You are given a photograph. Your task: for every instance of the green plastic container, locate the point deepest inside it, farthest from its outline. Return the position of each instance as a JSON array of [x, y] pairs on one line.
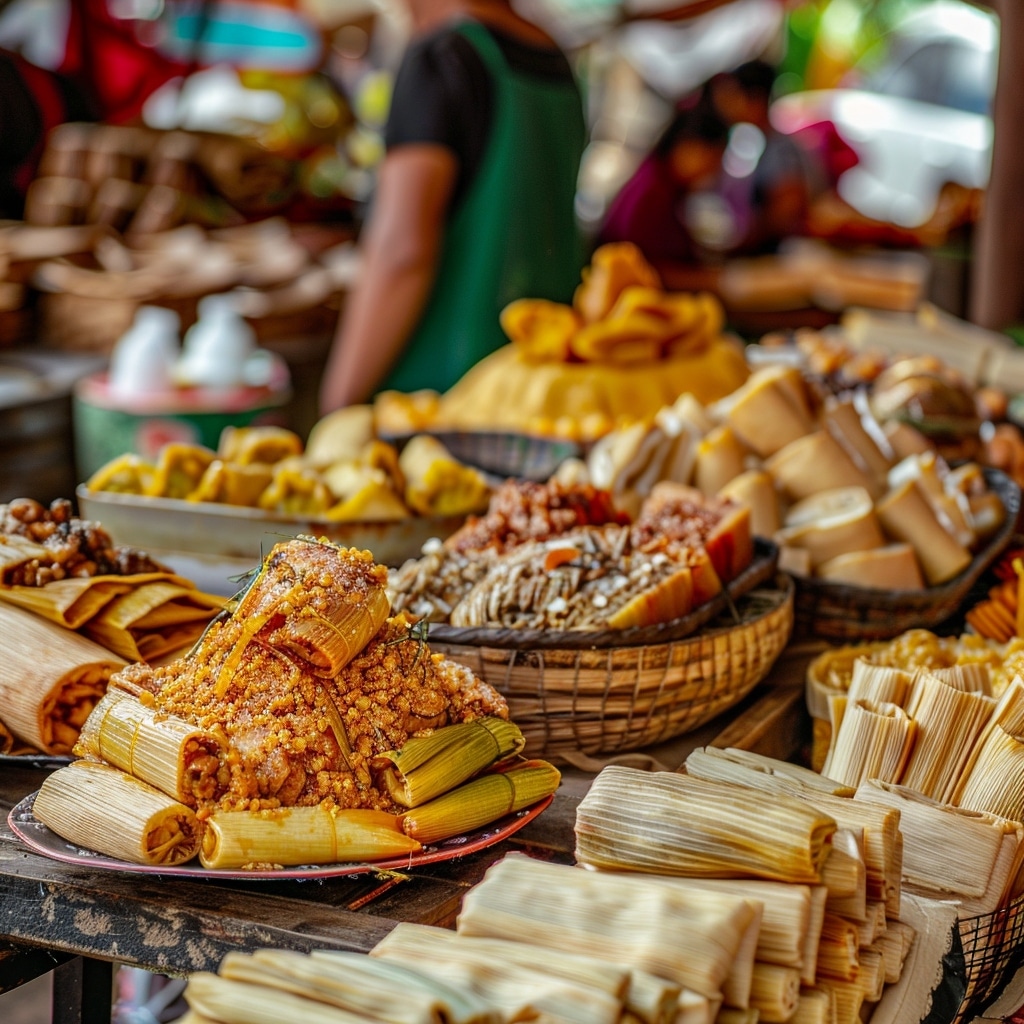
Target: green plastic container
[[106, 426]]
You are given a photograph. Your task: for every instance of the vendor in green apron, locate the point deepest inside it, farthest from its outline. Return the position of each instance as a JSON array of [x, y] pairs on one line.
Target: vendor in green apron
[[474, 202]]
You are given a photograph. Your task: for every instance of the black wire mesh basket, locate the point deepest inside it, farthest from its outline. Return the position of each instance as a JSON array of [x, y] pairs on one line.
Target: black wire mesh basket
[[993, 946]]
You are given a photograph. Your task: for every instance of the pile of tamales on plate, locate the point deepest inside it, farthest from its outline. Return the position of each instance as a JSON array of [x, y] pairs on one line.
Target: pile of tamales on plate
[[306, 726]]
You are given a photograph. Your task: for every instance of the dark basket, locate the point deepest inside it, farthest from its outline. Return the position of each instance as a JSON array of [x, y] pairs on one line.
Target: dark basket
[[835, 611], [993, 951], [501, 453]]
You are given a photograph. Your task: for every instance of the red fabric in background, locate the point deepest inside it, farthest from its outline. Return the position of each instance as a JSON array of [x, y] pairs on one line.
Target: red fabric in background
[[111, 61]]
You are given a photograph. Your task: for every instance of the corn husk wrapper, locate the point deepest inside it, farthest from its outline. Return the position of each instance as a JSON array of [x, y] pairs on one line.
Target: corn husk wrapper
[[847, 999], [869, 741], [169, 753], [428, 766], [510, 984], [814, 1006], [790, 921], [481, 800], [153, 619], [74, 601], [839, 949], [993, 778], [428, 940], [78, 802], [813, 463], [845, 875], [879, 825], [730, 764], [774, 992], [16, 551], [50, 679], [695, 939], [227, 1001], [325, 635], [949, 723], [700, 828], [302, 835], [359, 984]]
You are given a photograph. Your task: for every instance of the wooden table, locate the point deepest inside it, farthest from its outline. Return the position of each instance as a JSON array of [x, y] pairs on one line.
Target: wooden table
[[79, 921]]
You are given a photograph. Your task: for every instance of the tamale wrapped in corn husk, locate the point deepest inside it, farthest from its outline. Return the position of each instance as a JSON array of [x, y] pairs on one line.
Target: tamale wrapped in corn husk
[[813, 1006], [729, 764], [697, 939], [880, 826], [515, 989], [481, 800], [993, 776], [949, 723], [774, 992], [691, 826], [101, 808], [237, 1002], [847, 999], [839, 949], [869, 741], [731, 1015], [323, 610], [407, 937], [153, 619], [871, 974], [972, 859], [50, 679], [169, 753], [383, 990], [428, 766], [845, 875], [874, 924], [790, 921], [74, 601], [879, 684], [302, 835]]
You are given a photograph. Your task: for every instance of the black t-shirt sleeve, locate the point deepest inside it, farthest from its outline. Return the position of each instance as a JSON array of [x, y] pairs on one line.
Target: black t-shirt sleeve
[[442, 95]]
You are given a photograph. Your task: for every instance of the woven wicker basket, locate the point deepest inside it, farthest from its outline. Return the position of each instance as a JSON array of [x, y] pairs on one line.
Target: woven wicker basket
[[840, 612], [617, 699], [993, 946]]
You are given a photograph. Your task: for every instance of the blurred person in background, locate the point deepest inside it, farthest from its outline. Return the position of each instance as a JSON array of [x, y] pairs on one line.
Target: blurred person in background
[[655, 208], [474, 204], [768, 179]]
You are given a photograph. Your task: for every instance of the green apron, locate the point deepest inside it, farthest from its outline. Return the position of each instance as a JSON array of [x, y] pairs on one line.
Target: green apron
[[514, 233]]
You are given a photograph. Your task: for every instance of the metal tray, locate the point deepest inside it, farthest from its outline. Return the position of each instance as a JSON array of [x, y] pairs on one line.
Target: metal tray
[[246, 534]]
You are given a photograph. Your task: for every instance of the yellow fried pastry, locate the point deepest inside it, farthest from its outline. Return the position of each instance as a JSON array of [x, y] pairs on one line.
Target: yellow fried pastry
[[543, 329], [268, 444], [127, 474], [230, 483], [613, 267], [179, 468]]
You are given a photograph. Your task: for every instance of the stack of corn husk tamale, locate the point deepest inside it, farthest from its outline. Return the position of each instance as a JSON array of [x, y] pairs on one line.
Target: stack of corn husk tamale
[[306, 728]]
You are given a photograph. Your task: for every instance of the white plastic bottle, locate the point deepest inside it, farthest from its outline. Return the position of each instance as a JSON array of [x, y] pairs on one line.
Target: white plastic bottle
[[143, 360], [217, 346]]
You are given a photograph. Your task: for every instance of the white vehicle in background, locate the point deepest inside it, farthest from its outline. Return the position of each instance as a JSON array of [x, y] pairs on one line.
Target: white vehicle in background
[[920, 121]]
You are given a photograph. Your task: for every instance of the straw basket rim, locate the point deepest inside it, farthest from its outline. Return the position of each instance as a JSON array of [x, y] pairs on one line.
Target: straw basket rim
[[762, 569], [838, 611], [613, 700]]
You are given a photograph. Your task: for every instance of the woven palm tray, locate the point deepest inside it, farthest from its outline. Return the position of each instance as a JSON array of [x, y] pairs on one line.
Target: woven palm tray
[[839, 612], [613, 699]]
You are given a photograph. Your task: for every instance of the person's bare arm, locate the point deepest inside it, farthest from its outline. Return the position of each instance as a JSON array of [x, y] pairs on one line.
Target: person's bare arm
[[400, 251]]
